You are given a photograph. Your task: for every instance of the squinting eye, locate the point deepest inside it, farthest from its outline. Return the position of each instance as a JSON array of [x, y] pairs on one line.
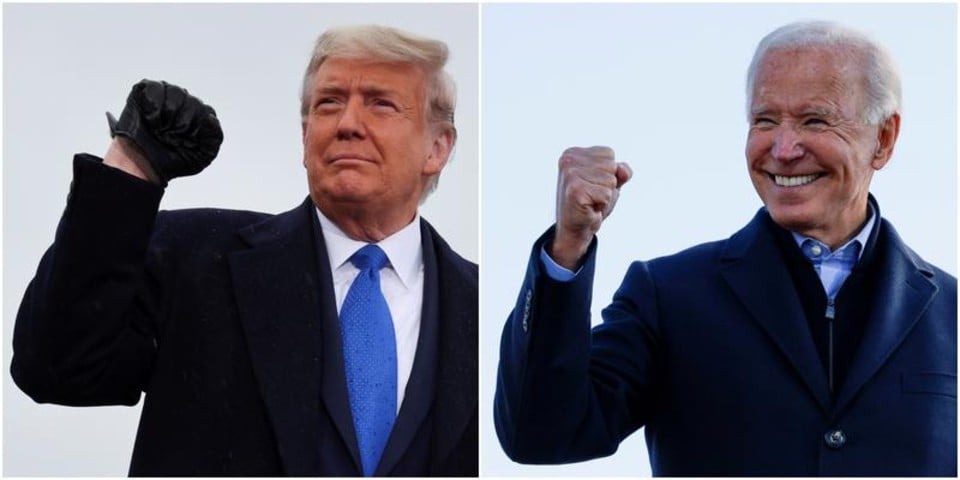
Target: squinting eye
[[816, 122], [325, 102], [382, 103], [763, 122]]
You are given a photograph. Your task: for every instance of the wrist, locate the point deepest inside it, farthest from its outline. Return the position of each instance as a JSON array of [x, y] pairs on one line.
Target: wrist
[[124, 155], [569, 249]]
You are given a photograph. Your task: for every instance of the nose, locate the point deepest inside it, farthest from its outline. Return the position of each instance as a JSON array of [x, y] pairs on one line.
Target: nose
[[786, 145], [350, 125]]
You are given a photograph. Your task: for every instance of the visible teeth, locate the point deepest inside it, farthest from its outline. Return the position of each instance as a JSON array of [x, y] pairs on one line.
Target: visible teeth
[[796, 181]]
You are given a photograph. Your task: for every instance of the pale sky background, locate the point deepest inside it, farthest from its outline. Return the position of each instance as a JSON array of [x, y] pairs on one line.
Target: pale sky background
[[64, 65], [664, 86]]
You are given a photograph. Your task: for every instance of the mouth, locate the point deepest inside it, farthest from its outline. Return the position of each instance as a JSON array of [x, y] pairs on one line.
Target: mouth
[[349, 157], [795, 180]]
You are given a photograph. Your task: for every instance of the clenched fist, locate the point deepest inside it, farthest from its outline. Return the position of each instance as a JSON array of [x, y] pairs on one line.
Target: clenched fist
[[177, 133], [588, 185]]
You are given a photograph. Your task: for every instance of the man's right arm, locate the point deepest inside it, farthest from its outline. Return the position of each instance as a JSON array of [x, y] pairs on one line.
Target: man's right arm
[[86, 331], [563, 393]]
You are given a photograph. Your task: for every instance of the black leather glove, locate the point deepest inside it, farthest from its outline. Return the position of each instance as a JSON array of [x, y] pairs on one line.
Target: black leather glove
[[177, 133]]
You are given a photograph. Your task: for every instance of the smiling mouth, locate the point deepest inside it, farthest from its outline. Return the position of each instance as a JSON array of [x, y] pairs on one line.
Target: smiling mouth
[[795, 180]]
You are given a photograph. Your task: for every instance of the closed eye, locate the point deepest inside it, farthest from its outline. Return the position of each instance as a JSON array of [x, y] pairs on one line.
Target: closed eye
[[815, 122], [763, 122]]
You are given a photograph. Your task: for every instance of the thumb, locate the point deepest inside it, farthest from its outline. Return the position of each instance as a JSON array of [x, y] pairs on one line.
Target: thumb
[[624, 173]]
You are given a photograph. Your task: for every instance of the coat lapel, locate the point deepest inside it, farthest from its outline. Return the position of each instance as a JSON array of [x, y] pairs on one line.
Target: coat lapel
[[333, 390], [754, 269], [444, 377], [903, 295], [278, 295], [457, 391]]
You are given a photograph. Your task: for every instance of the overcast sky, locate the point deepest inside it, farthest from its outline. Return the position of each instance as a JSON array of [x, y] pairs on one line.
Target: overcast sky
[[64, 65]]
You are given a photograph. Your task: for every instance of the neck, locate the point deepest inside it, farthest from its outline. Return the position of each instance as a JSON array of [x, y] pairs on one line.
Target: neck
[[364, 226], [837, 237]]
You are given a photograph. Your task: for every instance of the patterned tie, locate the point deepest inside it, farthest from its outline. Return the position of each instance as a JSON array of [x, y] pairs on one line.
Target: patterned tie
[[370, 357]]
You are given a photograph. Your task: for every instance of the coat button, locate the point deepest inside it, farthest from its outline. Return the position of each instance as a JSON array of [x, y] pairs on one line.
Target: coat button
[[526, 311], [835, 439]]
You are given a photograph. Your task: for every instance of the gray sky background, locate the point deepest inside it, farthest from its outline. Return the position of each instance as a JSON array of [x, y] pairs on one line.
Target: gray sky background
[[664, 86], [64, 65]]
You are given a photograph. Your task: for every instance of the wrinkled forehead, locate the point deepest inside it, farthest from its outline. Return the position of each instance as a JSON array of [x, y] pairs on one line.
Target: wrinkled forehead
[[371, 72], [837, 74], [365, 58], [342, 68]]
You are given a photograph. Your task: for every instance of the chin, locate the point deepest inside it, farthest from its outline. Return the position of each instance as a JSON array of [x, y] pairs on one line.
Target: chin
[[349, 196], [794, 218], [341, 194]]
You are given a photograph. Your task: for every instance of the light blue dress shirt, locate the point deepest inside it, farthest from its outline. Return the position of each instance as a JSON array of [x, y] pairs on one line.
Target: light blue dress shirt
[[835, 266]]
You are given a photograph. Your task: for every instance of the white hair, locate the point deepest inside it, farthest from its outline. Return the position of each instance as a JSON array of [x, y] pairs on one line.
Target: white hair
[[882, 79]]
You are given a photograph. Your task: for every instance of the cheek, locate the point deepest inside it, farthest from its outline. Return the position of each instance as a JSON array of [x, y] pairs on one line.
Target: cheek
[[757, 146], [315, 140]]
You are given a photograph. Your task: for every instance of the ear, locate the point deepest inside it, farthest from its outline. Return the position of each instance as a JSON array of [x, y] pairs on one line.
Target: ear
[[439, 151], [303, 139], [886, 139]]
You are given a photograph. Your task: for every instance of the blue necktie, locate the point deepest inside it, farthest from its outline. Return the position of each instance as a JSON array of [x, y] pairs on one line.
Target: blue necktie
[[370, 357]]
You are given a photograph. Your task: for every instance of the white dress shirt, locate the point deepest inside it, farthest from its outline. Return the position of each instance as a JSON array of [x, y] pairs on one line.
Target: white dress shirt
[[401, 282]]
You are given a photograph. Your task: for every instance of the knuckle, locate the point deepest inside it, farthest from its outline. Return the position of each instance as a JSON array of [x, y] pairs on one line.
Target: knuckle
[[572, 151], [602, 151], [612, 181], [570, 157], [575, 189]]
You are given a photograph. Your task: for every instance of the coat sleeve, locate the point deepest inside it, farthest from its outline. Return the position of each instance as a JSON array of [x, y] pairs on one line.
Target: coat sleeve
[[564, 393], [84, 333]]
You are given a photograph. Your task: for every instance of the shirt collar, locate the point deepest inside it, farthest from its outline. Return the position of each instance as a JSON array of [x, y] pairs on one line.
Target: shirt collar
[[403, 249], [861, 238]]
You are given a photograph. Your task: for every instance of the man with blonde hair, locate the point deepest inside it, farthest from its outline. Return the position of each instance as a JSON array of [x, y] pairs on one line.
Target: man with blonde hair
[[812, 342], [336, 339]]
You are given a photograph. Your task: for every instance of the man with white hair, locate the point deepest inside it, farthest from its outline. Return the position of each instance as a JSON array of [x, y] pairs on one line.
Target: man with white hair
[[336, 339], [811, 342]]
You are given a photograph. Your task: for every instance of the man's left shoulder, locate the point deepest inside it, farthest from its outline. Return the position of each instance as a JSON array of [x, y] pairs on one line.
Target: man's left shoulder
[[943, 279], [935, 274], [448, 259]]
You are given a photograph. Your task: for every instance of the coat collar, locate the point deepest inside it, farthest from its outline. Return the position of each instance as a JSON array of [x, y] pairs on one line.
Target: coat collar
[[753, 267]]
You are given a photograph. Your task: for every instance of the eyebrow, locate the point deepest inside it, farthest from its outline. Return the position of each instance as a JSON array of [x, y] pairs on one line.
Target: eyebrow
[[807, 110], [334, 89], [365, 90]]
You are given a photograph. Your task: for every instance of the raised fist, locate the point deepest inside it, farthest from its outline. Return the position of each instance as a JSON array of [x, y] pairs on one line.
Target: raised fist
[[177, 133], [588, 186]]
